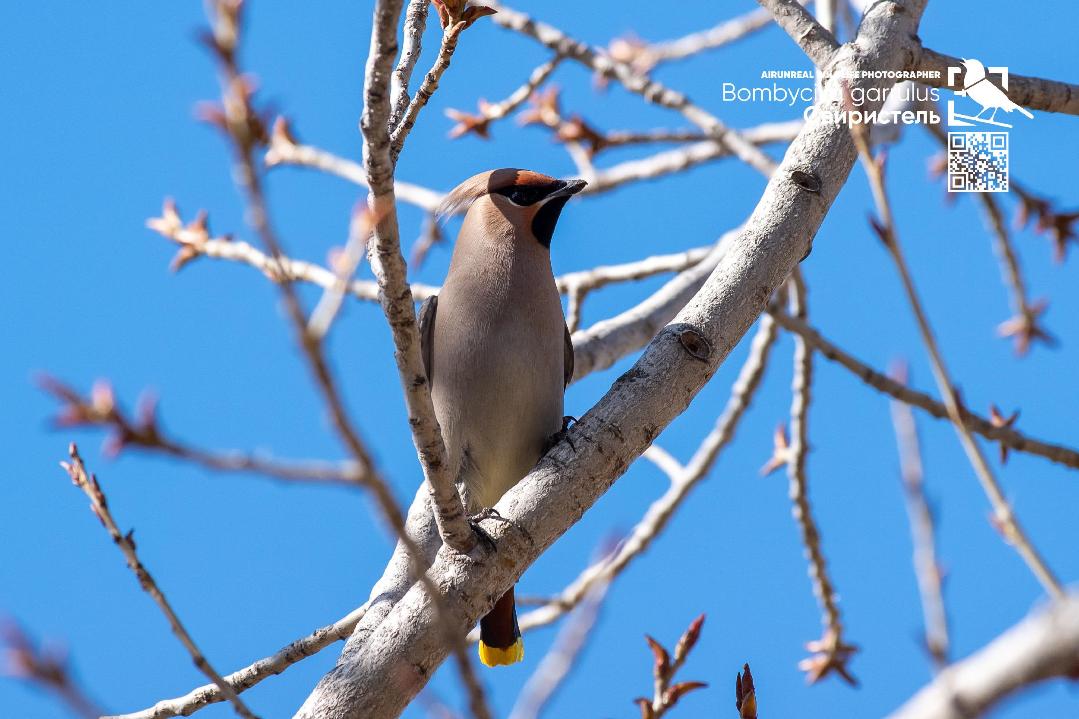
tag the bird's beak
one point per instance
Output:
(572, 187)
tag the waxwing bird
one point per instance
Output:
(977, 86)
(497, 351)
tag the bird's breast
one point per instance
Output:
(498, 376)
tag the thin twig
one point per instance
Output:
(669, 162)
(277, 270)
(831, 652)
(451, 34)
(366, 290)
(923, 535)
(254, 673)
(580, 137)
(1003, 433)
(44, 667)
(415, 24)
(285, 150)
(645, 56)
(558, 41)
(480, 124)
(617, 138)
(1024, 327)
(322, 317)
(244, 131)
(577, 285)
(665, 696)
(125, 542)
(1003, 515)
(143, 431)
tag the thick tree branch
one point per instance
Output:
(399, 653)
(1043, 646)
(395, 294)
(815, 40)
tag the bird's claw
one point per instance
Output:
(484, 536)
(562, 434)
(492, 513)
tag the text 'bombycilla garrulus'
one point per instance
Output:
(497, 351)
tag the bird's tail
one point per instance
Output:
(500, 637)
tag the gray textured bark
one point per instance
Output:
(396, 648)
(1042, 646)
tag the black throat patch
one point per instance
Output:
(545, 220)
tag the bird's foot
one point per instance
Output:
(492, 513)
(562, 434)
(484, 536)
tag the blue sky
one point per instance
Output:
(98, 128)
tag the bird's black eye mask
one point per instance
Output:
(525, 195)
(554, 196)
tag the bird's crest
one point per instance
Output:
(461, 197)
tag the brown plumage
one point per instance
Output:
(497, 351)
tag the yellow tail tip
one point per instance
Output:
(494, 657)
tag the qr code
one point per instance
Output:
(977, 162)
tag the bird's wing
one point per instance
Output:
(427, 333)
(567, 358)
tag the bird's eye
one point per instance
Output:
(522, 196)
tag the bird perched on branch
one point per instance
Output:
(977, 86)
(497, 351)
